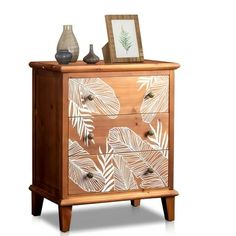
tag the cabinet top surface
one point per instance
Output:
(80, 66)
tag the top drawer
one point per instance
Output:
(118, 95)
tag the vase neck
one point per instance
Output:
(67, 27)
(91, 47)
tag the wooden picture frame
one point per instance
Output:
(124, 39)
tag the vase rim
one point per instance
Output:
(67, 27)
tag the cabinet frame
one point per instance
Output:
(50, 136)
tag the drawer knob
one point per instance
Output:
(150, 95)
(150, 133)
(90, 175)
(149, 171)
(90, 136)
(90, 97)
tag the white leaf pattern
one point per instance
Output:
(139, 156)
(81, 117)
(159, 140)
(104, 99)
(159, 86)
(107, 171)
(80, 165)
(124, 179)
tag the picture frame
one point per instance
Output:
(124, 39)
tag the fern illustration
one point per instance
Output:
(159, 141)
(107, 171)
(139, 156)
(80, 164)
(159, 86)
(125, 39)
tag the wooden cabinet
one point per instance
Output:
(102, 133)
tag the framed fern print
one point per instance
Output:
(124, 38)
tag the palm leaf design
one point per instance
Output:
(159, 141)
(107, 171)
(124, 179)
(159, 86)
(81, 117)
(139, 156)
(79, 165)
(80, 109)
(105, 101)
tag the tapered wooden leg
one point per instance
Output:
(135, 202)
(168, 204)
(65, 217)
(36, 204)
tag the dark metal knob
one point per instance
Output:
(150, 95)
(90, 97)
(90, 136)
(149, 171)
(90, 175)
(150, 133)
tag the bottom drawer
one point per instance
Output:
(113, 171)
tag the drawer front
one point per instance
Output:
(111, 96)
(118, 133)
(116, 171)
(124, 128)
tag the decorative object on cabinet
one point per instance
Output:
(124, 40)
(102, 133)
(68, 42)
(91, 57)
(63, 56)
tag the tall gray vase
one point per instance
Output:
(68, 42)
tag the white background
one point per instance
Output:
(197, 34)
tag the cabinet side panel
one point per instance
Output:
(46, 131)
(171, 131)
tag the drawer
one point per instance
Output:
(92, 133)
(114, 171)
(111, 96)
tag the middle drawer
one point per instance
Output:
(128, 132)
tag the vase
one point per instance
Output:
(68, 42)
(91, 57)
(63, 56)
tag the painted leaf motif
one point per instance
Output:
(159, 141)
(107, 171)
(80, 165)
(104, 99)
(81, 117)
(139, 156)
(124, 179)
(159, 86)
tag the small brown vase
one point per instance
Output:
(91, 57)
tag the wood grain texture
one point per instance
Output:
(80, 66)
(168, 204)
(46, 130)
(131, 92)
(135, 202)
(52, 129)
(122, 196)
(171, 132)
(112, 51)
(37, 204)
(65, 217)
(103, 124)
(75, 189)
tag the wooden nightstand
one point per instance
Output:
(102, 133)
